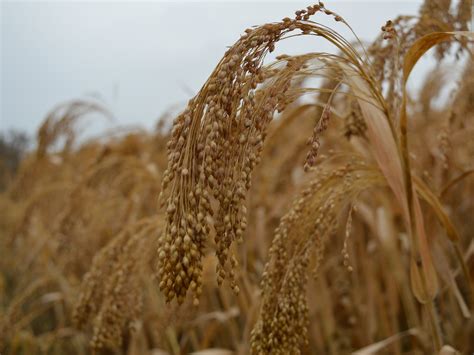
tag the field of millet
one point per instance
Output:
(260, 222)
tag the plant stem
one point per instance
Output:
(435, 331)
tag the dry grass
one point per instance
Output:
(351, 211)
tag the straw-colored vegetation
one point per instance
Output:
(260, 223)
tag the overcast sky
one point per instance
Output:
(140, 58)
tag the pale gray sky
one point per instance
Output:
(141, 58)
